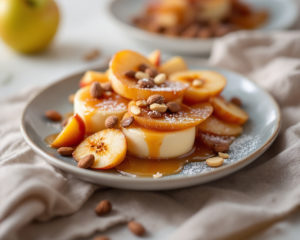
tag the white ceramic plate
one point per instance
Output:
(283, 14)
(259, 132)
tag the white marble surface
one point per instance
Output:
(85, 26)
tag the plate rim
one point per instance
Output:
(113, 180)
(159, 37)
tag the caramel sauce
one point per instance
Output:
(148, 167)
(114, 102)
(154, 141)
(49, 139)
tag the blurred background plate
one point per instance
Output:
(283, 14)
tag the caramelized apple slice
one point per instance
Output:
(127, 60)
(173, 65)
(216, 126)
(108, 147)
(154, 57)
(91, 76)
(202, 84)
(187, 117)
(228, 111)
(72, 134)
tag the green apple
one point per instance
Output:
(28, 26)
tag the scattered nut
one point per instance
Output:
(101, 238)
(145, 83)
(215, 161)
(136, 228)
(223, 155)
(156, 98)
(151, 72)
(87, 161)
(135, 110)
(141, 103)
(154, 114)
(111, 121)
(65, 151)
(197, 83)
(162, 108)
(103, 208)
(236, 101)
(96, 90)
(92, 55)
(53, 115)
(173, 107)
(106, 86)
(126, 122)
(142, 67)
(160, 78)
(130, 74)
(141, 75)
(157, 175)
(71, 98)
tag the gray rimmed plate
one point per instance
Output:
(283, 14)
(259, 133)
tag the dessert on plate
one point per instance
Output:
(146, 118)
(198, 18)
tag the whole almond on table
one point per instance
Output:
(96, 90)
(156, 98)
(173, 107)
(101, 238)
(136, 228)
(104, 207)
(65, 151)
(53, 115)
(86, 162)
(162, 108)
(126, 122)
(111, 121)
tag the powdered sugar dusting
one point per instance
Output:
(240, 148)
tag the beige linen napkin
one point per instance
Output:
(234, 207)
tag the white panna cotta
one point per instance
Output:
(148, 143)
(94, 111)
